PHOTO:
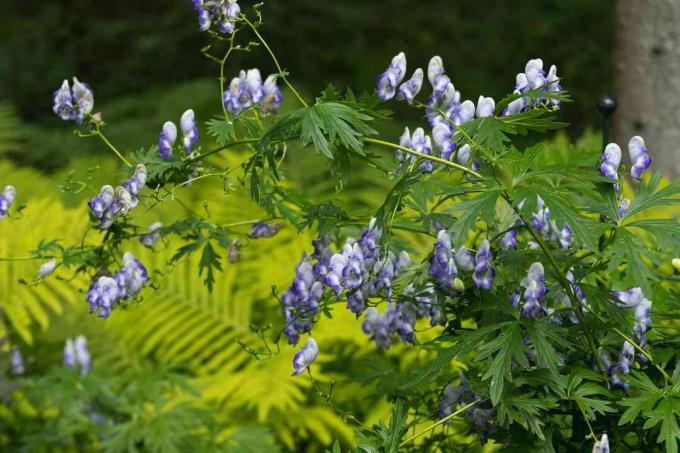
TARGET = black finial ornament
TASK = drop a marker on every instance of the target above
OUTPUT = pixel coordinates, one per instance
(606, 105)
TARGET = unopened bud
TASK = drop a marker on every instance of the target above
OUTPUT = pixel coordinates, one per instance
(233, 251)
(676, 265)
(458, 284)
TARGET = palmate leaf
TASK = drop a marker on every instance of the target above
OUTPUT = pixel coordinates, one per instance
(505, 348)
(483, 205)
(658, 406)
(543, 336)
(629, 249)
(221, 130)
(649, 195)
(583, 393)
(666, 233)
(526, 410)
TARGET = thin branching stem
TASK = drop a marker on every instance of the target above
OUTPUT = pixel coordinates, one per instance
(440, 422)
(99, 134)
(282, 73)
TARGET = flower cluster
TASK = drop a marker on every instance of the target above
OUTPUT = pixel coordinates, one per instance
(17, 362)
(398, 319)
(247, 90)
(111, 203)
(611, 159)
(357, 272)
(541, 223)
(633, 298)
(7, 197)
(76, 354)
(479, 414)
(305, 356)
(418, 142)
(264, 230)
(301, 302)
(534, 78)
(73, 104)
(105, 292)
(166, 141)
(615, 370)
(149, 239)
(223, 13)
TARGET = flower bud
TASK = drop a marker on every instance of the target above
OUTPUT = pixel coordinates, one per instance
(676, 265)
(458, 284)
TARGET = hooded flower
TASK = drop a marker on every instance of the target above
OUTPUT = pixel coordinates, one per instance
(189, 130)
(602, 445)
(388, 80)
(167, 139)
(410, 88)
(150, 238)
(247, 90)
(442, 137)
(47, 268)
(485, 107)
(17, 361)
(264, 230)
(6, 200)
(611, 159)
(102, 296)
(73, 104)
(484, 271)
(305, 356)
(223, 13)
(639, 158)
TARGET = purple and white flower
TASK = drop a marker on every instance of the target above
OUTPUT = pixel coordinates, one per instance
(189, 130)
(410, 88)
(223, 13)
(485, 107)
(7, 200)
(639, 159)
(150, 238)
(305, 356)
(602, 445)
(388, 80)
(611, 159)
(73, 104)
(264, 230)
(247, 90)
(135, 184)
(103, 296)
(167, 139)
(443, 140)
(534, 290)
(47, 268)
(17, 362)
(484, 272)
(442, 267)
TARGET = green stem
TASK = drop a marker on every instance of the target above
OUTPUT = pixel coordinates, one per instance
(442, 421)
(222, 79)
(425, 156)
(222, 148)
(274, 59)
(113, 148)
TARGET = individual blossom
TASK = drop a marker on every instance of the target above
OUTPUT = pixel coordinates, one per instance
(422, 144)
(485, 107)
(83, 98)
(602, 445)
(484, 272)
(442, 137)
(264, 230)
(534, 290)
(437, 76)
(639, 159)
(627, 357)
(6, 200)
(464, 157)
(149, 239)
(103, 296)
(402, 156)
(167, 139)
(516, 106)
(305, 356)
(135, 184)
(642, 307)
(509, 240)
(82, 354)
(388, 80)
(272, 95)
(563, 236)
(189, 128)
(464, 259)
(131, 278)
(611, 159)
(442, 267)
(17, 362)
(69, 353)
(624, 204)
(409, 89)
(47, 268)
(100, 204)
(63, 102)
(540, 220)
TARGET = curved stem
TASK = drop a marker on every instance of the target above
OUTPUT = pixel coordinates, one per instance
(442, 421)
(113, 148)
(425, 156)
(222, 148)
(222, 79)
(274, 59)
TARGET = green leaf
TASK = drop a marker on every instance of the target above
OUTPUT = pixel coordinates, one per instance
(507, 346)
(543, 336)
(483, 205)
(210, 261)
(628, 249)
(648, 196)
(221, 129)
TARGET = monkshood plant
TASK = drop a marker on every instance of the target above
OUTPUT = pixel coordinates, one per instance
(546, 276)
